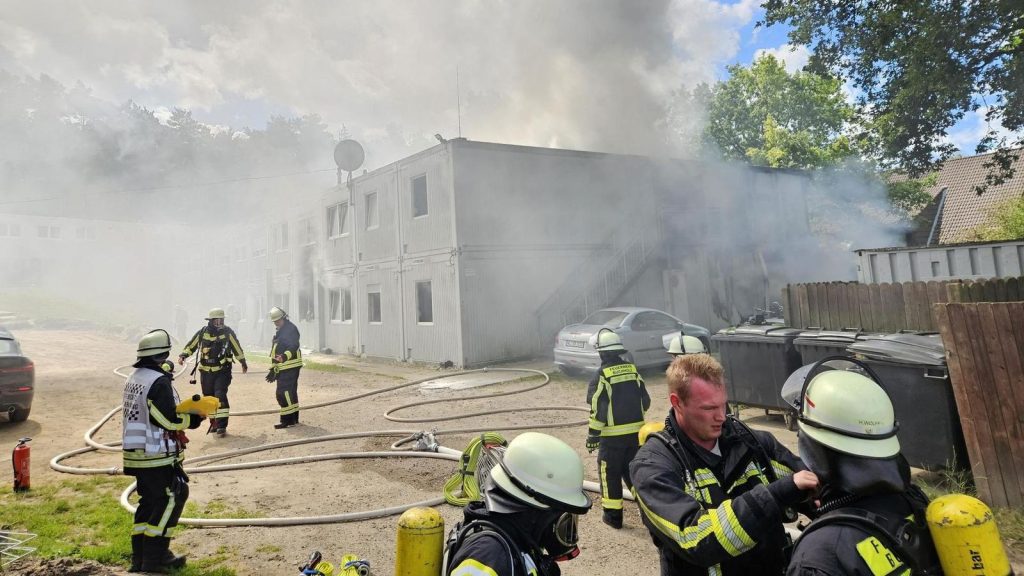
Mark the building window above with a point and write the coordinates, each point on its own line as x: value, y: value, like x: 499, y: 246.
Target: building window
x: 306, y: 310
x: 419, y: 196
x: 85, y: 233
x: 306, y: 233
x: 372, y: 220
x: 48, y: 231
x: 341, y: 305
x: 337, y: 220
x: 281, y: 300
x: 373, y: 304
x: 281, y: 236
x: 424, y: 304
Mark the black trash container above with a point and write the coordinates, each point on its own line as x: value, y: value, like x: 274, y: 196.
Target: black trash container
x: 814, y: 344
x: 913, y: 369
x: 757, y: 360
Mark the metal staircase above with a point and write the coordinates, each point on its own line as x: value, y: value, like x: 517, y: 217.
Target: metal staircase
x: 598, y: 281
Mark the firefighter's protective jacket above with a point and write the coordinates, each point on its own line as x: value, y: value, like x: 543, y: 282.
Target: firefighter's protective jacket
x: 218, y: 348
x: 715, y: 515
x: 837, y: 549
x: 487, y: 553
x: 150, y: 423
x: 618, y: 400
x: 286, y: 343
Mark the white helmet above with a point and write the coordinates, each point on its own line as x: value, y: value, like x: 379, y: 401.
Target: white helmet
x: 215, y: 313
x: 850, y: 413
x: 277, y: 313
x: 684, y: 344
x: 154, y: 343
x: 607, y: 341
x: 543, y: 472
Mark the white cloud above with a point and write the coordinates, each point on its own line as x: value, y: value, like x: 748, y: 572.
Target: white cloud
x: 590, y: 74
x: 969, y: 131
x: 794, y: 58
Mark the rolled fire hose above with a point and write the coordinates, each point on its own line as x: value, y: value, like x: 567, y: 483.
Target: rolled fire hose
x: 407, y: 436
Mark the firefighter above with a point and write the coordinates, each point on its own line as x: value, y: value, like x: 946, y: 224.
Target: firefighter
x: 286, y: 361
x: 713, y: 493
x: 527, y: 521
x: 618, y: 400
x: 218, y: 349
x: 871, y: 519
x: 684, y: 344
x: 153, y: 447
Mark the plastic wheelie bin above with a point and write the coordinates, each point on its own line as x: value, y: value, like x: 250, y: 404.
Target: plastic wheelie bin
x: 814, y: 344
x: 757, y: 360
x: 913, y: 369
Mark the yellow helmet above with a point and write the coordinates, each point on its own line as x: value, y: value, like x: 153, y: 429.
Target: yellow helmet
x: 277, y: 314
x: 648, y: 429
x: 215, y: 313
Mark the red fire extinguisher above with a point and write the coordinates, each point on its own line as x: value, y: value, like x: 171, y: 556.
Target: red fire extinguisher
x: 21, y: 457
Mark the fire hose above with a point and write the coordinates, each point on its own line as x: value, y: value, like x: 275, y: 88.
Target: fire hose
x: 410, y: 444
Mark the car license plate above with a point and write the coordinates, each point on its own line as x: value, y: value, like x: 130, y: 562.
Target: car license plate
x: 574, y: 343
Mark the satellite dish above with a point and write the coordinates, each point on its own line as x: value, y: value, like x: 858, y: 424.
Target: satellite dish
x: 349, y: 155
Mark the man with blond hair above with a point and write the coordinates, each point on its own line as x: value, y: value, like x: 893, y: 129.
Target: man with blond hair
x: 714, y: 493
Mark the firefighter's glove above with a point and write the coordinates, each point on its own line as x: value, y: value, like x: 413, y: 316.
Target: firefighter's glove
x: 271, y: 376
x: 245, y: 367
x: 181, y: 359
x: 593, y: 442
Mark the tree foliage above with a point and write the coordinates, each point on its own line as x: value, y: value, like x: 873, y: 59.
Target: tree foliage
x: 1006, y: 222
x: 908, y: 196
x: 919, y: 67
x: 766, y: 116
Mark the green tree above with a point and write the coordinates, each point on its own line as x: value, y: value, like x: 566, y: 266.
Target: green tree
x: 919, y: 67
x: 1007, y: 222
x: 766, y: 116
x: 908, y: 196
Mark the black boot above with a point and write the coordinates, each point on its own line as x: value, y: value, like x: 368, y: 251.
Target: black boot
x: 158, y: 556
x: 612, y: 518
x: 138, y: 551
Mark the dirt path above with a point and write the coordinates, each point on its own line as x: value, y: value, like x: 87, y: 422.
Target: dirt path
x: 75, y: 388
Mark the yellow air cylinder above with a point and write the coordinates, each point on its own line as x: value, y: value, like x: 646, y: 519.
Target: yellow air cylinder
x: 966, y: 537
x: 199, y: 405
x: 420, y: 543
x: 650, y: 428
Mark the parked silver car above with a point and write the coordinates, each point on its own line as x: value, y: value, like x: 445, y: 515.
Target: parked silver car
x: 645, y: 334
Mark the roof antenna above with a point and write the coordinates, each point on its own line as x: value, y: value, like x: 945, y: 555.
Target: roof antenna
x: 458, y: 98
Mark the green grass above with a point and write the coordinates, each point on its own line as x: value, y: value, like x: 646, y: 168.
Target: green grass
x: 307, y: 364
x: 81, y: 518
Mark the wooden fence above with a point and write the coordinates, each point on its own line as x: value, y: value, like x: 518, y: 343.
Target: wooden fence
x: 985, y: 353
x: 888, y: 307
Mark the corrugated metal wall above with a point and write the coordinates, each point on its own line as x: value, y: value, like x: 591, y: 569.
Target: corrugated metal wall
x: 339, y: 335
x: 991, y: 260
x: 383, y: 339
x: 380, y: 243
x: 438, y: 340
x: 434, y: 230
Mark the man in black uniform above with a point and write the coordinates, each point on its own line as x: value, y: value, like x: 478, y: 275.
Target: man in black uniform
x: 618, y: 401
x: 871, y: 520
x: 714, y: 493
x: 527, y: 521
x: 218, y: 349
x: 286, y: 358
x: 153, y: 447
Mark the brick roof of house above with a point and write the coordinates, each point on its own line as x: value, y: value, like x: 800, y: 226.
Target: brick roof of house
x: 964, y: 209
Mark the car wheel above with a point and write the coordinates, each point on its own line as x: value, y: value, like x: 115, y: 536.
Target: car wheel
x: 19, y: 414
x: 569, y: 371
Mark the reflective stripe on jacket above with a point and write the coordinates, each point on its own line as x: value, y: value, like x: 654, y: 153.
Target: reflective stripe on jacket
x: 286, y: 343
x: 618, y: 400
x: 218, y: 348
x: 708, y: 517
x: 145, y: 439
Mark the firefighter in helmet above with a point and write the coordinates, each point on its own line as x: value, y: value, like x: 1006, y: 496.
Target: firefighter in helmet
x: 618, y: 400
x: 153, y: 447
x: 527, y: 521
x: 286, y: 358
x: 683, y: 344
x: 870, y: 515
x: 218, y: 349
